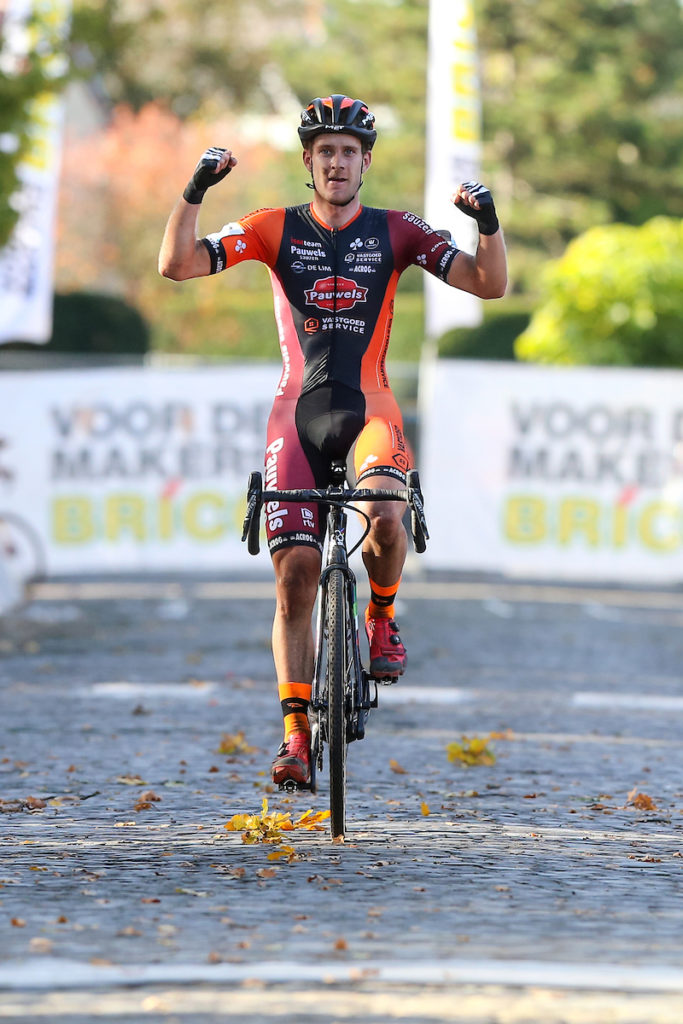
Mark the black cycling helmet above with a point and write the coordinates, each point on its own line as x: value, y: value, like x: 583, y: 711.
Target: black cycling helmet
x: 338, y: 113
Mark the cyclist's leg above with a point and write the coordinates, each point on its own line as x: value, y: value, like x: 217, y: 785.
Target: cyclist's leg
x: 297, y: 570
x: 381, y: 459
x: 295, y: 542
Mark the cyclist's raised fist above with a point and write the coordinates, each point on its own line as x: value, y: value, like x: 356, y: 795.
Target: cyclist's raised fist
x: 476, y: 201
x: 213, y: 166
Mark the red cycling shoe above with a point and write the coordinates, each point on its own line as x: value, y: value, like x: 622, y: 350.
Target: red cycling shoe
x: 387, y: 654
x: 293, y: 761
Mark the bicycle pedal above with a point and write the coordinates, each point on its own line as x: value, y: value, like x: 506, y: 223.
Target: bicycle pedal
x: 290, y: 786
x: 386, y: 680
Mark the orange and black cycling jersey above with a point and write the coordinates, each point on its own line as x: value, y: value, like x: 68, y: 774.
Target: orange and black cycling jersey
x: 334, y: 302
x: 334, y: 288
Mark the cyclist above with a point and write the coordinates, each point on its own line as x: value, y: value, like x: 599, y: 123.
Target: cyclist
x: 334, y: 266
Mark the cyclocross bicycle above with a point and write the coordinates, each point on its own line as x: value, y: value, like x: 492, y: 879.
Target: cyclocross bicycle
x: 343, y: 693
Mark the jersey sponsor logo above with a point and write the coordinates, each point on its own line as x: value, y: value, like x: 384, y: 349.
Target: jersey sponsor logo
x: 324, y: 295
x: 311, y: 250
x: 274, y: 511
x: 418, y: 222
x: 298, y: 267
x: 311, y: 325
x: 371, y: 459
x: 344, y: 323
x: 233, y: 228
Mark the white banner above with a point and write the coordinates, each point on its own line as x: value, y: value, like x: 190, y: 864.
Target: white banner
x: 453, y: 149
x: 26, y: 262
x: 554, y: 473
x: 131, y: 469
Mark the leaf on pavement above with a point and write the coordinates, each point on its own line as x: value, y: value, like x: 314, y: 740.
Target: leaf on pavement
x: 287, y: 853
x: 641, y: 801
x: 396, y: 767
x: 130, y: 780
x: 34, y: 803
x: 424, y: 807
x: 471, y: 750
x: 269, y: 826
x: 234, y: 743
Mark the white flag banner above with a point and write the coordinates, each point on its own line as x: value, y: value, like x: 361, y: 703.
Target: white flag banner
x: 554, y: 472
x: 129, y: 470
x: 453, y: 149
x: 26, y: 262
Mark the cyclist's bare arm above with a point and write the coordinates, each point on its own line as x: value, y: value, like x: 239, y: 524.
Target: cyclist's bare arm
x: 485, y: 273
x: 182, y: 254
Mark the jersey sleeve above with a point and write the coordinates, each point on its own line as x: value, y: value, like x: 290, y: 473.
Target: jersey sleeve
x: 255, y: 237
x: 415, y: 242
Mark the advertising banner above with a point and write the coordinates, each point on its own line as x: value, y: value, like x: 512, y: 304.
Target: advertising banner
x: 26, y: 262
x: 554, y: 473
x: 453, y: 149
x: 130, y: 469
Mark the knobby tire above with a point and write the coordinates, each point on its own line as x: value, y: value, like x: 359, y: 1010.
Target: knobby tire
x: 336, y: 680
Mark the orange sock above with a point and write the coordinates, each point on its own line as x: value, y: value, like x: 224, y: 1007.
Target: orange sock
x: 381, y: 604
x: 294, y: 701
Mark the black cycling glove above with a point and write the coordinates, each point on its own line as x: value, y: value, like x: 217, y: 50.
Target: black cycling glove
x: 485, y: 216
x: 203, y: 176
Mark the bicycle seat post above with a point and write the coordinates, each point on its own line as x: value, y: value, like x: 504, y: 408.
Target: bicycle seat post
x: 337, y: 473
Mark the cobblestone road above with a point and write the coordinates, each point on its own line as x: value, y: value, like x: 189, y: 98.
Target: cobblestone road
x: 545, y: 887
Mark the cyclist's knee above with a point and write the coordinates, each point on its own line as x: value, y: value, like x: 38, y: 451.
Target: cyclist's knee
x: 297, y: 570
x: 386, y: 525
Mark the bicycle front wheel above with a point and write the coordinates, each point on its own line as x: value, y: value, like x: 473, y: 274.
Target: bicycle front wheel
x: 337, y: 669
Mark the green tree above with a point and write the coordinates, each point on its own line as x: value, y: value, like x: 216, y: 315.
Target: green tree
x: 31, y: 65
x: 581, y: 97
x: 582, y: 117
x: 615, y: 298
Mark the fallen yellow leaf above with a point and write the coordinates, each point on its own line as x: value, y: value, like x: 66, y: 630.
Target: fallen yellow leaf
x: 269, y: 826
x: 472, y: 750
x: 234, y: 743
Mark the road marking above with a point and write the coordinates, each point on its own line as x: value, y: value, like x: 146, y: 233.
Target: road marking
x: 411, y: 694
x: 633, y: 701
x: 124, y: 690
x: 427, y: 694
x: 414, y: 590
x: 56, y: 974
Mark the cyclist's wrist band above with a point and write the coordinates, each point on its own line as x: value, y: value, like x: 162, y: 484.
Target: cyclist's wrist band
x: 487, y: 220
x: 192, y: 194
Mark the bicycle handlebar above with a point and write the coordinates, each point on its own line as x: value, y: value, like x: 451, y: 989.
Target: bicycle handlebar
x: 411, y: 495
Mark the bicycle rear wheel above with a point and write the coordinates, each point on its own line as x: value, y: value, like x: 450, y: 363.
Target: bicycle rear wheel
x: 337, y: 667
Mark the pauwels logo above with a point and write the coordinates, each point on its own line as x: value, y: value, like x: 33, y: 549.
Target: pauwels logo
x: 324, y: 296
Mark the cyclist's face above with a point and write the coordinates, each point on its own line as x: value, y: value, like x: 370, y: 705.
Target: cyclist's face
x: 337, y: 164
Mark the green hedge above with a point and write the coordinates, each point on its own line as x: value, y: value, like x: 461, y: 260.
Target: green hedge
x: 615, y: 298
x: 101, y: 324
x: 494, y: 338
